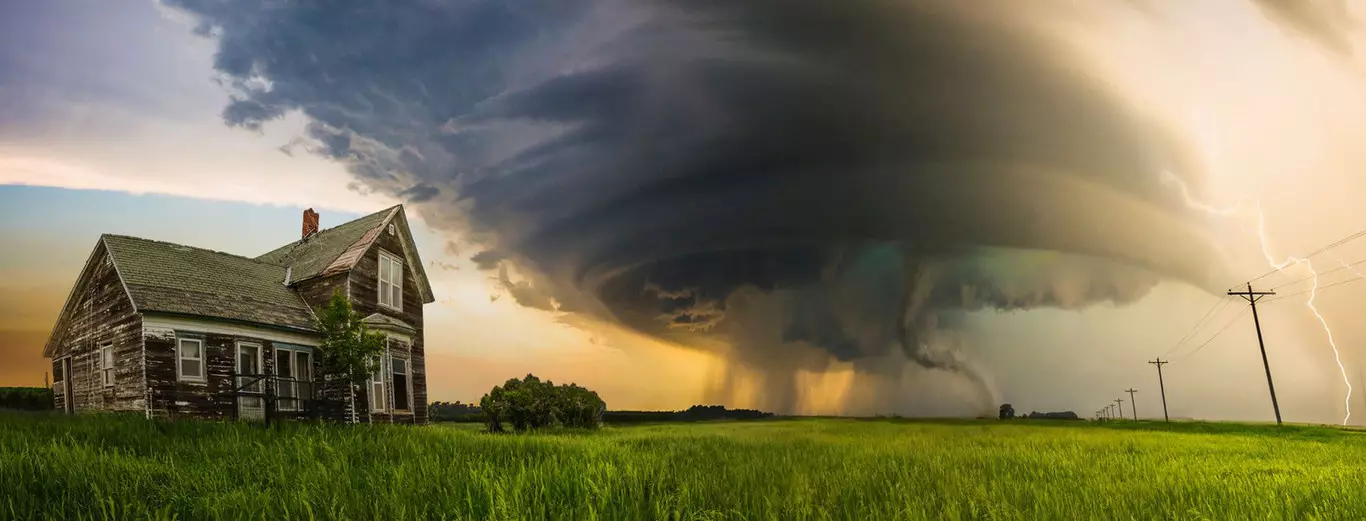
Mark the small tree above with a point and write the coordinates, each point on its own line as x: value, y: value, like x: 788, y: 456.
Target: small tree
x: 350, y: 352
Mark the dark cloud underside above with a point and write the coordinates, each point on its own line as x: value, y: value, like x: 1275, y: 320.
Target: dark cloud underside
x: 868, y: 167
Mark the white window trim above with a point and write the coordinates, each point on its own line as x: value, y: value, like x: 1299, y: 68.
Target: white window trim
x: 408, y: 381
x: 107, y: 373
x: 294, y: 367
x: 382, y: 382
x: 203, y: 366
x: 380, y: 290
x: 237, y: 368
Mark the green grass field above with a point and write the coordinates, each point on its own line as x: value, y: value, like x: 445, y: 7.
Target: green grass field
x: 54, y: 467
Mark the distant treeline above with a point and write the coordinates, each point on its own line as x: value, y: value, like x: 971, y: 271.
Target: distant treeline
x: 1065, y: 415
x: 692, y: 414
x: 464, y: 412
x: 26, y: 398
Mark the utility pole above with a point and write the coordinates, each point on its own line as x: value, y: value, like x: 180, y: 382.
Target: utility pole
x: 1119, y: 407
x: 1252, y: 297
x: 1162, y: 386
x: 1133, y: 405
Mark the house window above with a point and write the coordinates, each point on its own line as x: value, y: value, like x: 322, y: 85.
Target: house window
x: 190, y: 359
x: 58, y: 376
x: 378, y: 398
x: 392, y: 230
x: 107, y: 364
x: 390, y: 281
x: 398, y: 369
x: 295, y: 369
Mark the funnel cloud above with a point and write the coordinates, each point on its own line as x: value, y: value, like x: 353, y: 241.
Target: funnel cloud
x: 806, y: 182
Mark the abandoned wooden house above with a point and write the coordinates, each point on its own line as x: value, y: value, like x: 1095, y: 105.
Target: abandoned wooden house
x: 175, y: 331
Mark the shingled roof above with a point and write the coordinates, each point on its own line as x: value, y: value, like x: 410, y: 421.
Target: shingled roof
x: 330, y: 248
x: 173, y: 278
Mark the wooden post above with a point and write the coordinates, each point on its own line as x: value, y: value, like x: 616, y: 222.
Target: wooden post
x: 1162, y: 386
x: 1252, y: 297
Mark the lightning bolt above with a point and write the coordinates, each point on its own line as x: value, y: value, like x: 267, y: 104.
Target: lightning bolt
x: 1171, y: 180
x: 1313, y: 294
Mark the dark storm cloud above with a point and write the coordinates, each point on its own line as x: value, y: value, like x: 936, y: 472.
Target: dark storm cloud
x: 486, y: 260
x: 867, y: 167
x: 420, y: 193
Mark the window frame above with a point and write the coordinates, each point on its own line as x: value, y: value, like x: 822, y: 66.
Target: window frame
x: 296, y: 400
x: 58, y: 367
x: 392, y: 262
x: 407, y: 381
x: 106, y: 373
x: 383, y: 395
x: 180, y: 375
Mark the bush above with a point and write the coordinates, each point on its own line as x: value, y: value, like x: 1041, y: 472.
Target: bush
x: 26, y: 398
x: 530, y: 403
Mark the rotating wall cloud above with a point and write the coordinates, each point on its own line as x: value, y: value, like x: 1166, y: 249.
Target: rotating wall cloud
x: 811, y: 185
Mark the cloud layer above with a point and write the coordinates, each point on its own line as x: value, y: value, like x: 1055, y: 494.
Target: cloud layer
x: 808, y: 181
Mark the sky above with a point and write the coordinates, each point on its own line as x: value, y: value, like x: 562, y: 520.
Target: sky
x: 795, y: 207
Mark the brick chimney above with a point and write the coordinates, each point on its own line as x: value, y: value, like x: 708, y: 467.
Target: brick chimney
x: 310, y: 222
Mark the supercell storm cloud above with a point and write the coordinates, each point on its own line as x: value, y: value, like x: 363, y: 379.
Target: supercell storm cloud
x: 790, y: 177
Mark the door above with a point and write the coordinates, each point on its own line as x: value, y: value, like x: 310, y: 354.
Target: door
x: 285, y: 386
x: 68, y: 404
x: 250, y: 405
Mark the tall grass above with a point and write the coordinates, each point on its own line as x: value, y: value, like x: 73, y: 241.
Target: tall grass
x: 101, y: 467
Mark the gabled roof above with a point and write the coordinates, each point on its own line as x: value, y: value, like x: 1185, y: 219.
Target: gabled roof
x: 313, y: 256
x: 337, y: 250
x: 171, y: 278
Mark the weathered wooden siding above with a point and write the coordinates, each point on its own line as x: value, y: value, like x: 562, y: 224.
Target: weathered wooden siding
x: 102, y: 312
x: 212, y: 399
x: 317, y: 292
x: 364, y: 281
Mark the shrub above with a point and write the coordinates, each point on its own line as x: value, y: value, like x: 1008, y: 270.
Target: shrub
x: 26, y: 398
x: 531, y: 403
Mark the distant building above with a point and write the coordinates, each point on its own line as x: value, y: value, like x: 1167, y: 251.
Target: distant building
x: 161, y: 328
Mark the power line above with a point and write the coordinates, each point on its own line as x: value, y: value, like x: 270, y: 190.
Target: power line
x: 1216, y: 335
x: 1198, y: 324
x: 1335, y: 244
x: 1311, y: 290
x: 1334, y: 270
